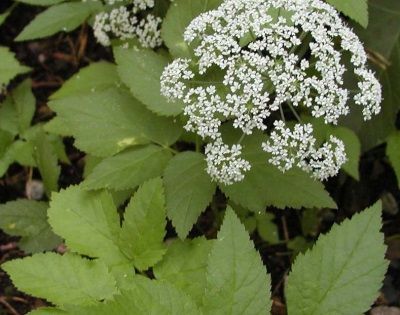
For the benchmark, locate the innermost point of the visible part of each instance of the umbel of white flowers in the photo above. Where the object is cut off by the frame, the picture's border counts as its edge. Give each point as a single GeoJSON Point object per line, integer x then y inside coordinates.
{"type": "Point", "coordinates": [122, 23]}
{"type": "Point", "coordinates": [257, 45]}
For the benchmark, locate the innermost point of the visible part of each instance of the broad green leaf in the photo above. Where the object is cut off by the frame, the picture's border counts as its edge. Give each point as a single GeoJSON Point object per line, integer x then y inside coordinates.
{"type": "Point", "coordinates": [184, 265]}
{"type": "Point", "coordinates": [141, 70]}
{"type": "Point", "coordinates": [393, 152]}
{"type": "Point", "coordinates": [104, 123]}
{"type": "Point", "coordinates": [188, 190]}
{"type": "Point", "coordinates": [47, 163]}
{"type": "Point", "coordinates": [60, 17]}
{"type": "Point", "coordinates": [28, 219]}
{"type": "Point", "coordinates": [97, 76]}
{"type": "Point", "coordinates": [129, 169]}
{"type": "Point", "coordinates": [40, 2]}
{"type": "Point", "coordinates": [62, 279]}
{"type": "Point", "coordinates": [265, 185]}
{"type": "Point", "coordinates": [266, 228]}
{"type": "Point", "coordinates": [17, 111]}
{"type": "Point", "coordinates": [9, 67]}
{"type": "Point", "coordinates": [352, 149]}
{"type": "Point", "coordinates": [357, 10]}
{"type": "Point", "coordinates": [6, 138]}
{"type": "Point", "coordinates": [48, 311]}
{"type": "Point", "coordinates": [144, 297]}
{"type": "Point", "coordinates": [178, 17]}
{"type": "Point", "coordinates": [237, 282]}
{"type": "Point", "coordinates": [20, 151]}
{"type": "Point", "coordinates": [382, 41]}
{"type": "Point", "coordinates": [143, 230]}
{"type": "Point", "coordinates": [89, 223]}
{"type": "Point", "coordinates": [343, 272]}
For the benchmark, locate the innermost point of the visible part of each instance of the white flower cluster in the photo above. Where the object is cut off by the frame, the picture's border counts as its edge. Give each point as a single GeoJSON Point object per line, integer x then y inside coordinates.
{"type": "Point", "coordinates": [123, 23]}
{"type": "Point", "coordinates": [271, 54]}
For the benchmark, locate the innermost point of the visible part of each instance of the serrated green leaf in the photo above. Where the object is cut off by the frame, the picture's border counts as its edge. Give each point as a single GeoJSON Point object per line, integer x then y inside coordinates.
{"type": "Point", "coordinates": [188, 190]}
{"type": "Point", "coordinates": [60, 17]}
{"type": "Point", "coordinates": [140, 70]}
{"type": "Point", "coordinates": [178, 17]}
{"type": "Point", "coordinates": [10, 66]}
{"type": "Point", "coordinates": [393, 152]}
{"type": "Point", "coordinates": [58, 126]}
{"type": "Point", "coordinates": [106, 122]}
{"type": "Point", "coordinates": [67, 279]}
{"type": "Point", "coordinates": [47, 163]}
{"type": "Point", "coordinates": [382, 41]}
{"type": "Point", "coordinates": [144, 297]}
{"type": "Point", "coordinates": [28, 219]}
{"type": "Point", "coordinates": [343, 272]}
{"type": "Point", "coordinates": [237, 282]}
{"type": "Point", "coordinates": [143, 230]}
{"type": "Point", "coordinates": [40, 2]}
{"type": "Point", "coordinates": [265, 185]}
{"type": "Point", "coordinates": [184, 265]}
{"type": "Point", "coordinates": [357, 10]}
{"type": "Point", "coordinates": [129, 169]}
{"type": "Point", "coordinates": [89, 223]}
{"type": "Point", "coordinates": [97, 76]}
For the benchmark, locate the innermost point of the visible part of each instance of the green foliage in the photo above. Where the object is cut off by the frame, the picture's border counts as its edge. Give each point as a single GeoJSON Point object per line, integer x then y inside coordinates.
{"type": "Point", "coordinates": [393, 152]}
{"type": "Point", "coordinates": [182, 12]}
{"type": "Point", "coordinates": [184, 265]}
{"type": "Point", "coordinates": [141, 163]}
{"type": "Point", "coordinates": [9, 67]}
{"type": "Point", "coordinates": [28, 219]}
{"type": "Point", "coordinates": [143, 230]}
{"type": "Point", "coordinates": [97, 76]}
{"type": "Point", "coordinates": [188, 190]}
{"type": "Point", "coordinates": [89, 223]}
{"type": "Point", "coordinates": [40, 2]}
{"type": "Point", "coordinates": [235, 285]}
{"type": "Point", "coordinates": [263, 184]}
{"type": "Point", "coordinates": [120, 122]}
{"type": "Point", "coordinates": [25, 144]}
{"type": "Point", "coordinates": [60, 17]}
{"type": "Point", "coordinates": [382, 39]}
{"type": "Point", "coordinates": [343, 272]}
{"type": "Point", "coordinates": [140, 70]}
{"type": "Point", "coordinates": [62, 280]}
{"type": "Point", "coordinates": [354, 9]}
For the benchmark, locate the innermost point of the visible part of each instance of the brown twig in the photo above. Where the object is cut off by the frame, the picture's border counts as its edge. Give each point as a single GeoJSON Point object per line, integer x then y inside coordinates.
{"type": "Point", "coordinates": [8, 305]}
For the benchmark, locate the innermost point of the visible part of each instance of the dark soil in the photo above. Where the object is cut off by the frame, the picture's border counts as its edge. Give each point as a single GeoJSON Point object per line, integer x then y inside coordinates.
{"type": "Point", "coordinates": [57, 58]}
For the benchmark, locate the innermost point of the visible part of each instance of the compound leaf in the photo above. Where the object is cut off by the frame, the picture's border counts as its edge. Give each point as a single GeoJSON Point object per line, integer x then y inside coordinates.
{"type": "Point", "coordinates": [237, 282]}
{"type": "Point", "coordinates": [184, 265]}
{"type": "Point", "coordinates": [188, 190]}
{"type": "Point", "coordinates": [28, 219]}
{"type": "Point", "coordinates": [140, 70]}
{"type": "Point", "coordinates": [393, 152]}
{"type": "Point", "coordinates": [129, 169]}
{"type": "Point", "coordinates": [343, 272]}
{"type": "Point", "coordinates": [62, 279]}
{"type": "Point", "coordinates": [89, 223]}
{"type": "Point", "coordinates": [357, 10]}
{"type": "Point", "coordinates": [60, 17]}
{"type": "Point", "coordinates": [143, 230]}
